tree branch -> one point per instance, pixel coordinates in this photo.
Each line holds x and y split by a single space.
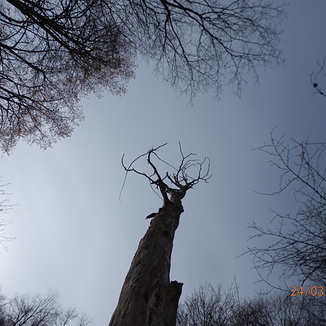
174 184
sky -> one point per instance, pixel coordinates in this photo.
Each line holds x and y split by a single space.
72 233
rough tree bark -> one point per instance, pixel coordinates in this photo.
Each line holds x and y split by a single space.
148 297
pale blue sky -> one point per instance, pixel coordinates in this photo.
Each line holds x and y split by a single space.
74 236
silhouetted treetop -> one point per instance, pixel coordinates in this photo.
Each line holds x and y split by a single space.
172 185
38 310
203 44
296 241
54 52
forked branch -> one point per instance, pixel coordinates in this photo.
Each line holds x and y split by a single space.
172 185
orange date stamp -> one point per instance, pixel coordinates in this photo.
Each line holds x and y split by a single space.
315 291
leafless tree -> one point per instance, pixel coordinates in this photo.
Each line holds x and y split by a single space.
148 297
208 306
202 44
38 310
52 53
317 79
55 51
172 186
297 241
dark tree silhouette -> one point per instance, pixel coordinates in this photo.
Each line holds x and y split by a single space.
201 44
148 297
55 51
297 241
208 306
38 310
52 53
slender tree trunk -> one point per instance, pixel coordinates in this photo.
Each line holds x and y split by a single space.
148 297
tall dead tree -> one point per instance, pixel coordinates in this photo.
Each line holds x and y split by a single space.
148 297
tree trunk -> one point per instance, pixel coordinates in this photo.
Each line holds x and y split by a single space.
148 297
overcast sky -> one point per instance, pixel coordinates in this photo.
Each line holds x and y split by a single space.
73 235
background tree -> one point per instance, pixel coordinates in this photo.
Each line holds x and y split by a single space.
208 306
55 51
148 297
52 53
37 310
202 44
297 242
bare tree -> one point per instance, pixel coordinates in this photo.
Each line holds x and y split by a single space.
204 44
148 297
55 51
38 310
208 306
52 53
297 241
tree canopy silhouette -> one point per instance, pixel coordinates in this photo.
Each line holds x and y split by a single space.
297 240
199 44
38 310
211 306
55 51
52 53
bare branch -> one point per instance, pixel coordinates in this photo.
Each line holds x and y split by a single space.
55 52
197 44
52 54
173 185
296 242
38 310
211 307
